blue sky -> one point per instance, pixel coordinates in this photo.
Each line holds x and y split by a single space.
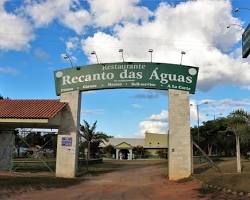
34 36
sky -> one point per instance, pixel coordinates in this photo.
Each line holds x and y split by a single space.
35 35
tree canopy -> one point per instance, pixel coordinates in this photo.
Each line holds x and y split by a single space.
217 136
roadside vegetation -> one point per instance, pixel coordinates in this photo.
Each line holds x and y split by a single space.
226 140
228 177
225 137
18 183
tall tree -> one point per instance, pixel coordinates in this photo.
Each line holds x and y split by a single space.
209 134
238 121
88 132
2 97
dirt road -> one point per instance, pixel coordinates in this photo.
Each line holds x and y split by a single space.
135 181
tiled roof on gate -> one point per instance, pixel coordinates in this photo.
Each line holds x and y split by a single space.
30 109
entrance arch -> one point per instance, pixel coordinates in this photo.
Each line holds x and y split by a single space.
179 80
124 154
124 151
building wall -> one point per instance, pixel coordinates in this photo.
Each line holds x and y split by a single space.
153 140
156 152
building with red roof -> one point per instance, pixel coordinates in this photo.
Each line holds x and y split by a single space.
30 113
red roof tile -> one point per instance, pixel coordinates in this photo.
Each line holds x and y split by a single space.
30 109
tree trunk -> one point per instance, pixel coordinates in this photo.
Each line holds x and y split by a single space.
18 151
88 154
210 149
238 153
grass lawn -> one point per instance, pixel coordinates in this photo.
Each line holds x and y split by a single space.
33 165
228 177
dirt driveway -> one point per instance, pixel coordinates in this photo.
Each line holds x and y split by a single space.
137 180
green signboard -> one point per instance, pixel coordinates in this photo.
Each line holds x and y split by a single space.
246 42
160 76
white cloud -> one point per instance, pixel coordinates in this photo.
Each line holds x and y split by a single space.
44 12
163 116
68 12
136 106
72 44
76 20
225 106
194 113
15 31
228 102
216 108
106 47
73 15
41 54
87 112
197 27
150 94
156 123
108 13
8 70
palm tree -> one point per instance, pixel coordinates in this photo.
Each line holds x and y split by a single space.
237 123
88 132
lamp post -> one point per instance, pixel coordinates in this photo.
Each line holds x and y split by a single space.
182 53
94 53
151 54
121 51
198 119
68 57
214 115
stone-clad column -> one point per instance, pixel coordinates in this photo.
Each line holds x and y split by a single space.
179 152
130 154
117 154
68 136
6 149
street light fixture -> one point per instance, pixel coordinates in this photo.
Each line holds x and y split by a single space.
151 54
182 53
230 25
121 51
68 57
238 9
94 53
